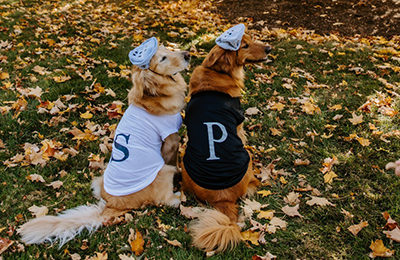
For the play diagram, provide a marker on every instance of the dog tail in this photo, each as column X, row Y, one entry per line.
column 213, row 230
column 66, row 225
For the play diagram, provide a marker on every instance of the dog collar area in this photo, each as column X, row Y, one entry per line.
column 168, row 76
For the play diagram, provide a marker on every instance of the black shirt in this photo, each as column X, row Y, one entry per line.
column 215, row 157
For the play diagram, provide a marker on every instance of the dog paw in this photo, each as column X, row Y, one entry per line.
column 175, row 202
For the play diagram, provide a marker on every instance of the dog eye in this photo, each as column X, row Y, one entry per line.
column 245, row 46
column 164, row 58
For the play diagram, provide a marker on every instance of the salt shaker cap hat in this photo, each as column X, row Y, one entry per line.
column 231, row 38
column 141, row 55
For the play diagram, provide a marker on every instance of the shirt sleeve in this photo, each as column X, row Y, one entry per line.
column 169, row 125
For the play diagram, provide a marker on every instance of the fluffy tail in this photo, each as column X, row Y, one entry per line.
column 65, row 226
column 215, row 231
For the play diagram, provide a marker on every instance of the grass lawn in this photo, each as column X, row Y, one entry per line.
column 322, row 120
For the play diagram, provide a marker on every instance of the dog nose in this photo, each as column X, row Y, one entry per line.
column 186, row 56
column 267, row 49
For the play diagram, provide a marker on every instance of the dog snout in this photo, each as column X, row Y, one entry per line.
column 186, row 56
column 267, row 49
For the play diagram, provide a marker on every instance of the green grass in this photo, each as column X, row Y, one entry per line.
column 87, row 36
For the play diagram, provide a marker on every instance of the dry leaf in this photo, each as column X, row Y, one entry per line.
column 251, row 236
column 319, row 201
column 136, row 241
column 264, row 193
column 292, row 211
column 38, row 211
column 190, row 212
column 252, row 111
column 390, row 223
column 379, row 249
column 55, row 184
column 298, row 162
column 363, row 141
column 125, row 257
column 354, row 229
column 4, row 244
column 268, row 256
column 393, row 234
column 328, row 178
column 277, row 222
column 252, row 206
column 292, row 198
column 35, row 177
column 355, row 120
column 269, row 214
column 278, row 106
column 174, row 242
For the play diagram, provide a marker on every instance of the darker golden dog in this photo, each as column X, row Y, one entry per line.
column 220, row 77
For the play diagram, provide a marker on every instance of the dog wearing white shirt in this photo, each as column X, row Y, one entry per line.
column 144, row 157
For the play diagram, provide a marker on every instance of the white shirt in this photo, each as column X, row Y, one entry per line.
column 136, row 155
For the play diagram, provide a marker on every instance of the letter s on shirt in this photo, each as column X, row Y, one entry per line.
column 121, row 148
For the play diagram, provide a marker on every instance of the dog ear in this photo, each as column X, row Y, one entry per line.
column 220, row 60
column 213, row 56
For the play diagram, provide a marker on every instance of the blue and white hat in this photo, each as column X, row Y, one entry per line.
column 141, row 55
column 231, row 39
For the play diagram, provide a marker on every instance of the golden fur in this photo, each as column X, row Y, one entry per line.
column 161, row 91
column 222, row 71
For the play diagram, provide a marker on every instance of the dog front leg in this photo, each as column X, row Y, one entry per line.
column 169, row 149
column 241, row 133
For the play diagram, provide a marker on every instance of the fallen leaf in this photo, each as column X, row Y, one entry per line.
column 379, row 249
column 292, row 211
column 355, row 120
column 328, row 178
column 136, row 241
column 363, row 141
column 190, row 212
column 390, row 223
column 35, row 177
column 264, row 193
column 354, row 229
column 319, row 201
column 277, row 222
column 251, row 236
column 55, row 184
column 298, row 162
column 393, row 234
column 4, row 244
column 252, row 111
column 269, row 214
column 268, row 256
column 292, row 198
column 38, row 211
column 174, row 242
column 86, row 115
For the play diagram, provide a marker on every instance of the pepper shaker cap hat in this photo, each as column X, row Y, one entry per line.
column 231, row 38
column 141, row 55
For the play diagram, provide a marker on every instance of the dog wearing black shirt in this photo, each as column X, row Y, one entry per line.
column 216, row 167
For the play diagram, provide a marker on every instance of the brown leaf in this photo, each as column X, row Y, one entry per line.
column 4, row 244
column 174, row 242
column 354, row 229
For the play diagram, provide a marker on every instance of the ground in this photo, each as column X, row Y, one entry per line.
column 344, row 17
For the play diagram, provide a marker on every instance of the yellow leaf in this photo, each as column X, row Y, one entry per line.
column 264, row 193
column 328, row 178
column 86, row 115
column 363, row 141
column 336, row 107
column 269, row 214
column 4, row 75
column 278, row 106
column 282, row 180
column 275, row 131
column 251, row 236
column 137, row 244
column 379, row 249
column 61, row 79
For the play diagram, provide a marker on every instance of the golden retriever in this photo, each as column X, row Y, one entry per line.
column 220, row 78
column 158, row 92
